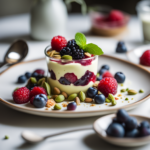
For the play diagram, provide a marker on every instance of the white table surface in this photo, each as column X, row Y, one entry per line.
column 12, row 122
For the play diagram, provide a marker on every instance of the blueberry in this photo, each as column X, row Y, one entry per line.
column 28, row 75
column 99, row 78
column 64, row 81
column 144, row 132
column 115, row 120
column 122, row 115
column 131, row 123
column 91, row 92
column 31, row 86
column 102, row 71
column 105, row 67
column 71, row 106
column 37, row 76
column 120, row 77
column 99, row 99
column 121, row 48
column 40, row 100
column 144, row 124
column 115, row 130
column 22, row 79
column 34, row 74
column 132, row 133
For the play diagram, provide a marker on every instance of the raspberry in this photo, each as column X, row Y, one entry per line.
column 31, row 100
column 107, row 74
column 116, row 15
column 40, row 71
column 37, row 90
column 145, row 58
column 71, row 77
column 108, row 85
column 21, row 95
column 58, row 43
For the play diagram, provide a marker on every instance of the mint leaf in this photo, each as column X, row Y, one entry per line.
column 93, row 49
column 80, row 40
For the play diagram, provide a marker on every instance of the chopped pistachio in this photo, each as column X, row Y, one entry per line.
column 122, row 90
column 126, row 99
column 127, row 89
column 141, row 91
column 6, row 137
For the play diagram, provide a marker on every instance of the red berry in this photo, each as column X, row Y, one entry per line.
column 37, row 90
column 116, row 15
column 58, row 43
column 107, row 74
column 71, row 77
column 31, row 100
column 108, row 85
column 145, row 58
column 21, row 95
column 40, row 71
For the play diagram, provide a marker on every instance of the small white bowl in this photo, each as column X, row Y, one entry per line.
column 135, row 54
column 101, row 124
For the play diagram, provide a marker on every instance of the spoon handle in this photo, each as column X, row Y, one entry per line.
column 3, row 65
column 87, row 128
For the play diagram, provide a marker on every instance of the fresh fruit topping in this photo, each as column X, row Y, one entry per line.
column 52, row 74
column 132, row 133
column 71, row 77
column 108, row 85
column 131, row 123
column 40, row 71
column 31, row 86
column 99, row 78
column 40, row 100
column 73, row 50
column 144, row 132
column 91, row 92
column 22, row 79
column 37, row 90
column 120, row 77
column 116, row 15
column 90, row 48
column 122, row 115
column 84, row 80
column 121, row 48
column 102, row 71
column 71, row 106
column 31, row 100
column 99, row 99
column 64, row 81
column 106, row 67
column 28, row 75
column 115, row 130
column 145, row 58
column 58, row 43
column 21, row 95
column 107, row 74
column 37, row 76
column 144, row 124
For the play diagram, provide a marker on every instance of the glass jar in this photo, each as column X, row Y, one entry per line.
column 71, row 76
column 143, row 9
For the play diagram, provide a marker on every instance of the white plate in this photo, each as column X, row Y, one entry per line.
column 137, row 78
column 135, row 54
column 101, row 124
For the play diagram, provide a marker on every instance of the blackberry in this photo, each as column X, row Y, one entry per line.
column 73, row 50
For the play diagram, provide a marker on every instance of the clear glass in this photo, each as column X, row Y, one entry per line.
column 143, row 9
column 71, row 76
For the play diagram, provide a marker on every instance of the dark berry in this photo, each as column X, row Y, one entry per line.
column 64, row 81
column 99, row 78
column 99, row 99
column 52, row 75
column 132, row 133
column 121, row 48
column 71, row 106
column 115, row 120
column 120, row 77
column 37, row 76
column 22, row 79
column 28, row 75
column 91, row 92
column 122, row 115
column 40, row 71
column 144, row 124
column 102, row 71
column 115, row 130
column 144, row 132
column 131, row 123
column 40, row 100
column 105, row 67
column 31, row 86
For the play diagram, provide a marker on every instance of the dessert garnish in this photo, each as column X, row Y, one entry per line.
column 145, row 58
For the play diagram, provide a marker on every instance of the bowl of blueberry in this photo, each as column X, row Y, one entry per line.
column 123, row 129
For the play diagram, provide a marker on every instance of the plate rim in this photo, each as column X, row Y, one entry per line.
column 76, row 112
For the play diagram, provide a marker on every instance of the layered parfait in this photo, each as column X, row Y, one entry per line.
column 72, row 65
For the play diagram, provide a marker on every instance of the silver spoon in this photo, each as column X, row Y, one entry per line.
column 16, row 53
column 35, row 138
